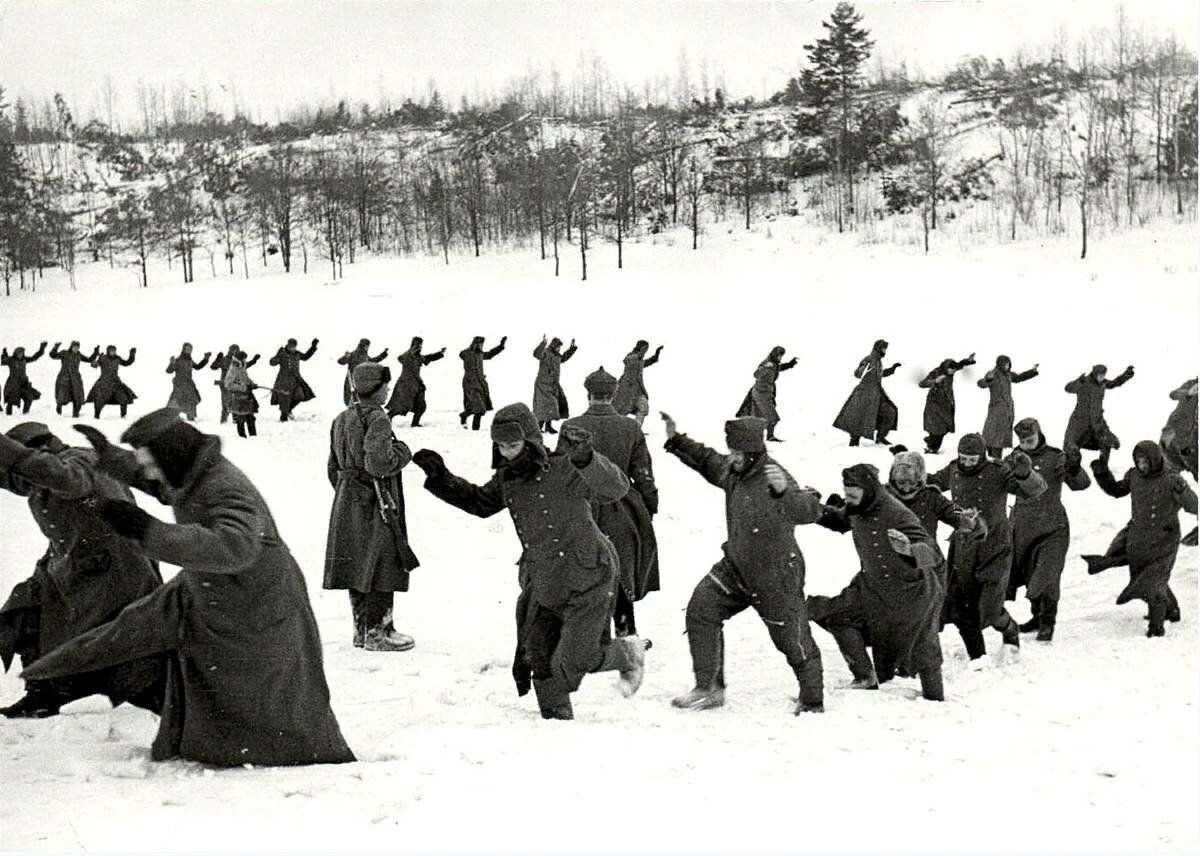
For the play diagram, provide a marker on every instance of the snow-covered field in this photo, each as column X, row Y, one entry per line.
column 1087, row 744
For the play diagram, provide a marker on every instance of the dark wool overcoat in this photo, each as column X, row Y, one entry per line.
column 1041, row 531
column 18, row 389
column 1087, row 428
column 184, row 395
column 549, row 400
column 760, row 400
column 410, row 389
column 68, row 385
column 931, row 507
column 356, row 358
column 1179, row 434
column 627, row 522
column 109, row 388
column 938, row 418
column 477, row 398
column 760, row 544
column 632, row 385
column 288, row 380
column 363, row 551
column 900, row 597
column 88, row 573
column 246, row 682
column 998, row 424
column 1151, row 537
column 868, row 412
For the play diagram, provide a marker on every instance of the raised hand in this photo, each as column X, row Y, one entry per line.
column 668, row 423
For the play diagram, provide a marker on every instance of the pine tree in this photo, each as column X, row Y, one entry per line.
column 16, row 205
column 832, row 84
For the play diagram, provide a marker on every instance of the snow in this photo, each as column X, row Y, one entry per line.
column 1086, row 744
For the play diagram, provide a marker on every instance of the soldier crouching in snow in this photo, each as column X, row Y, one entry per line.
column 762, row 565
column 567, row 569
column 895, row 600
column 87, row 576
column 1149, row 542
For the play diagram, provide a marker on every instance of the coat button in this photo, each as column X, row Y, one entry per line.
column 560, row 552
column 206, row 584
column 212, row 668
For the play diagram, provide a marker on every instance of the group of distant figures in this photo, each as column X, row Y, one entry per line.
column 227, row 651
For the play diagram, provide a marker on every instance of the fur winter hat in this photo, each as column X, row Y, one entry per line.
column 912, row 463
column 30, row 433
column 1028, row 427
column 555, row 343
column 417, row 342
column 880, row 345
column 776, row 353
column 972, row 444
column 364, row 343
column 478, row 340
column 1152, row 452
column 600, row 384
column 291, row 343
column 865, row 476
column 368, row 377
column 515, row 422
column 1099, row 369
column 745, row 434
column 74, row 344
column 1004, row 361
column 172, row 442
column 641, row 345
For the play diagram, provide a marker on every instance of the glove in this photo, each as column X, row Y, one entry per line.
column 504, row 340
column 658, row 350
column 118, row 463
column 430, row 462
column 1021, row 465
column 1072, row 461
column 125, row 518
column 579, row 444
column 383, row 354
column 314, row 342
column 1098, row 466
column 835, row 501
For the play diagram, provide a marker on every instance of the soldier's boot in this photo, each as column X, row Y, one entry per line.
column 1035, row 622
column 475, row 421
column 360, row 632
column 1173, row 613
column 41, row 700
column 75, row 408
column 462, row 419
column 1047, row 615
column 124, row 410
column 1010, row 633
column 812, row 687
column 58, row 409
column 1158, row 614
column 28, row 404
column 385, row 637
column 854, row 651
column 972, row 638
column 1097, row 563
column 854, row 439
column 700, row 698
column 241, row 427
column 931, row 683
column 627, row 656
column 251, row 428
column 553, row 702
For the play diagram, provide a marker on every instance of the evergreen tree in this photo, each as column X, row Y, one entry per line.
column 16, row 206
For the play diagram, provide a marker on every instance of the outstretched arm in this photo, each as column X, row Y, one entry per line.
column 479, row 500
column 130, row 359
column 1120, row 380
column 1106, row 481
column 312, row 349
column 570, row 351
column 36, row 355
column 68, row 475
column 433, row 358
column 710, row 463
column 1021, row 377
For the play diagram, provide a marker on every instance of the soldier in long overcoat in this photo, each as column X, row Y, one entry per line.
column 290, row 388
column 868, row 412
column 1087, row 428
column 87, row 575
column 477, row 397
column 367, row 550
column 998, row 424
column 761, row 566
column 18, row 388
column 221, row 363
column 68, row 385
column 631, row 398
column 938, row 418
column 1041, row 530
column 549, row 400
column 1150, row 540
column 237, row 392
column 408, row 396
column 109, row 388
column 979, row 568
column 760, row 400
column 184, row 395
column 1178, row 438
column 351, row 359
column 245, row 678
column 628, row 523
column 567, row 569
column 895, row 600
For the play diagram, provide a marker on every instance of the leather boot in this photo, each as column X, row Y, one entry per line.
column 1047, row 615
column 931, row 683
column 700, row 699
column 552, row 701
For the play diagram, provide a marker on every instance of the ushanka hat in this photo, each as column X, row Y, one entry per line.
column 515, row 422
column 1027, row 427
column 29, row 433
column 971, row 444
column 745, row 434
column 600, row 384
column 369, row 377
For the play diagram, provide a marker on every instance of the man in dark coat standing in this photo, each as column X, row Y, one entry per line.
column 939, row 402
column 1041, row 531
column 628, row 523
column 549, row 400
column 1178, row 438
column 68, row 385
column 895, row 600
column 245, row 678
column 868, row 412
column 290, row 388
column 221, row 363
column 367, row 550
column 18, row 389
column 760, row 400
column 109, row 388
column 350, row 359
column 979, row 569
column 1150, row 540
column 237, row 392
column 631, row 398
column 568, row 567
column 761, row 567
column 1087, row 428
column 87, row 575
column 184, row 395
column 477, row 397
column 998, row 424
column 408, row 396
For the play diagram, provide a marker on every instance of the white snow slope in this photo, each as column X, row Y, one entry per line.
column 1087, row 744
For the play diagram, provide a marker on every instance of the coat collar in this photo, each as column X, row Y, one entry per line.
column 601, row 409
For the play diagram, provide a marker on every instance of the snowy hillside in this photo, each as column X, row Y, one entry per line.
column 1090, row 743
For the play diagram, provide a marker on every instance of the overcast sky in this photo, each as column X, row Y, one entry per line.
column 276, row 52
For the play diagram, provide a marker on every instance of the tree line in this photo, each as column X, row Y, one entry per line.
column 1101, row 131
